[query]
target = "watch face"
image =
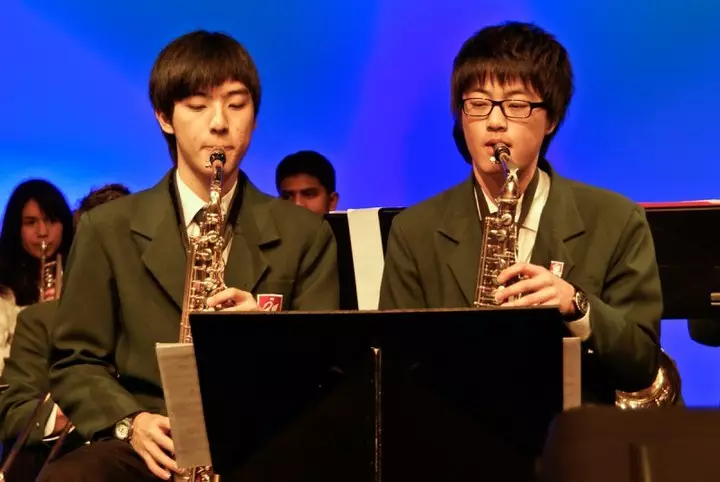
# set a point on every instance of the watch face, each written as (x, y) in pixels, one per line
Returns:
(581, 300)
(122, 430)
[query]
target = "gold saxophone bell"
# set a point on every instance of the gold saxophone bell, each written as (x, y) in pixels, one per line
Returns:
(663, 392)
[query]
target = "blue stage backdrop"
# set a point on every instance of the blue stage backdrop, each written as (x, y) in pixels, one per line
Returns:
(366, 82)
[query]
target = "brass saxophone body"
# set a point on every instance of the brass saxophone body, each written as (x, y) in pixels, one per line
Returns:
(204, 277)
(500, 233)
(51, 272)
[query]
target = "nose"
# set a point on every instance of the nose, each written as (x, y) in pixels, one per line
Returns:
(219, 120)
(298, 200)
(42, 229)
(496, 120)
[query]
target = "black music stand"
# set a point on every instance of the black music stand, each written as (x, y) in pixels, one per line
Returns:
(686, 247)
(452, 395)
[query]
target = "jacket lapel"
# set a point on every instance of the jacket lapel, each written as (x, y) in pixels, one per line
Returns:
(461, 227)
(254, 231)
(560, 223)
(157, 232)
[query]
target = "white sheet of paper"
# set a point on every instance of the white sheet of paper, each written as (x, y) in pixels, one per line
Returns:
(572, 381)
(178, 372)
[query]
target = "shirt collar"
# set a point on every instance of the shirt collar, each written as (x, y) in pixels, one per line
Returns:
(192, 203)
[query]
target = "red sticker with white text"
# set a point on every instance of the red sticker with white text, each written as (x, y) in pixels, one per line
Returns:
(556, 268)
(270, 302)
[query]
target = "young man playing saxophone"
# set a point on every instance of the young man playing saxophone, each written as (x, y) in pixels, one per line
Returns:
(26, 373)
(587, 250)
(125, 277)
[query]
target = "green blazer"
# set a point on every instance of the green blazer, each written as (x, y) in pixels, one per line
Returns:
(123, 292)
(26, 373)
(602, 238)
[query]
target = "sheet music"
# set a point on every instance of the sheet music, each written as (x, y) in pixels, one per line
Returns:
(178, 372)
(367, 254)
(572, 381)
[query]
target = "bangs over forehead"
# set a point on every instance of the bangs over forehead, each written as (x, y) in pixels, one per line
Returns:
(501, 72)
(515, 53)
(196, 64)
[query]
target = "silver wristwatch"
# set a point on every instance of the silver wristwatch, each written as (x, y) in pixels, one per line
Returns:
(123, 429)
(581, 303)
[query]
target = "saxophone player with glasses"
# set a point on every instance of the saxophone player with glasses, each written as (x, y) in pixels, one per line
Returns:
(32, 424)
(125, 286)
(516, 233)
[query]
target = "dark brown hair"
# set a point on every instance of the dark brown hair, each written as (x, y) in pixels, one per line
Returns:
(20, 271)
(96, 197)
(195, 62)
(516, 51)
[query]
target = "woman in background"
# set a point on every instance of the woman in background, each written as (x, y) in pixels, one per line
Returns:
(37, 212)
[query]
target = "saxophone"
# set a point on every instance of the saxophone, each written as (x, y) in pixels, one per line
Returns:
(499, 251)
(50, 274)
(663, 392)
(500, 233)
(204, 277)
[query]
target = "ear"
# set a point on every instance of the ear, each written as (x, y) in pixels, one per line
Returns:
(550, 128)
(165, 123)
(334, 198)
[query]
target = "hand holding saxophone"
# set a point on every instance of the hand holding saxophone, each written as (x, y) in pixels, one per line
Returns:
(151, 440)
(233, 299)
(538, 287)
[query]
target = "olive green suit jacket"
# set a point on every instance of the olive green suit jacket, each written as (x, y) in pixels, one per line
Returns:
(603, 241)
(26, 373)
(124, 284)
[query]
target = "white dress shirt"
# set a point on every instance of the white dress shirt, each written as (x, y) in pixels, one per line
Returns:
(526, 240)
(191, 204)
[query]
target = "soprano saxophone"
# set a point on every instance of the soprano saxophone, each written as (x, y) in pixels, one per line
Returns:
(499, 248)
(204, 277)
(50, 274)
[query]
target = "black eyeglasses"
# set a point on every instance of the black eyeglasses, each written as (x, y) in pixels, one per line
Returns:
(512, 109)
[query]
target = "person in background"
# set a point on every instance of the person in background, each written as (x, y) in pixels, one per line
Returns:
(36, 212)
(26, 374)
(307, 179)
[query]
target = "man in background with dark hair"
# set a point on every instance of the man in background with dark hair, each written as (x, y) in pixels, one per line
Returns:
(307, 179)
(586, 250)
(96, 197)
(26, 373)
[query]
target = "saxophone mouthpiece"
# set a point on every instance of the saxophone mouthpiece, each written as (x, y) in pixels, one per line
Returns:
(501, 152)
(217, 155)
